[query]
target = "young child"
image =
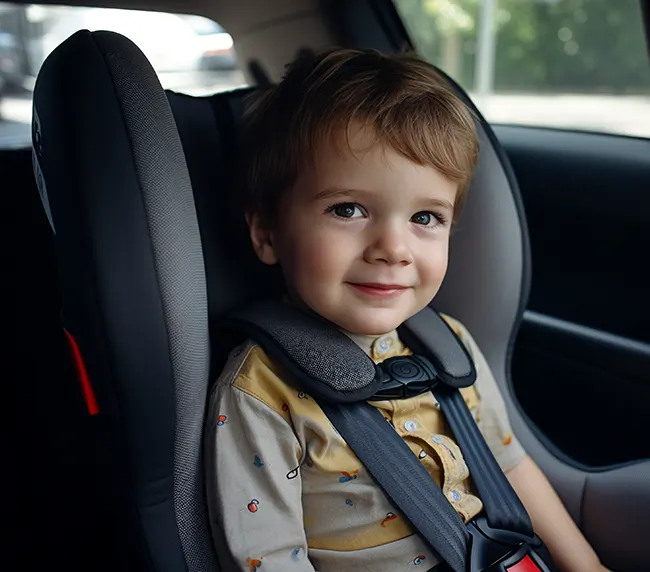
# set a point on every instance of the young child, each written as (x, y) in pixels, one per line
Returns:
(356, 166)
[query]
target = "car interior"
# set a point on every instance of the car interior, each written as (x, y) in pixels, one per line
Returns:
(124, 251)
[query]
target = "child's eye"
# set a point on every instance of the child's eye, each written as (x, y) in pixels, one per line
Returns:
(426, 218)
(346, 210)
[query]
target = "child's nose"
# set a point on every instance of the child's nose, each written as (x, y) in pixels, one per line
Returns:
(389, 247)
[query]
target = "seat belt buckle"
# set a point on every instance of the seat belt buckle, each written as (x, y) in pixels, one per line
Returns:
(404, 377)
(493, 550)
(523, 560)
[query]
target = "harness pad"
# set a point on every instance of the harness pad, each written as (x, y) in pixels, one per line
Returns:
(329, 365)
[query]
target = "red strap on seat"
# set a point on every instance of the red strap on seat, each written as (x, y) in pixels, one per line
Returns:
(86, 387)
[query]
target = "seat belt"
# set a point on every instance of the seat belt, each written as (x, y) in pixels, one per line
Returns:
(403, 478)
(503, 507)
(474, 548)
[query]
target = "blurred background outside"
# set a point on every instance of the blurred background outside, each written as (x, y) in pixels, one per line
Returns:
(572, 64)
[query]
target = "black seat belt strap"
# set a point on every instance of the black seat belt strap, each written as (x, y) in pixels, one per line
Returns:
(503, 508)
(403, 478)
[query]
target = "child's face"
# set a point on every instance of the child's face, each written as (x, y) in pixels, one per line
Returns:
(360, 238)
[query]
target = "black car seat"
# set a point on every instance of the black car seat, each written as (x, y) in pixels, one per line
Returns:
(151, 253)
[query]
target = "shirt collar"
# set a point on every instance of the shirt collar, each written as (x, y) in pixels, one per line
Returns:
(378, 348)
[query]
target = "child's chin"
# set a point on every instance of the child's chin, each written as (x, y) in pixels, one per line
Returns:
(372, 323)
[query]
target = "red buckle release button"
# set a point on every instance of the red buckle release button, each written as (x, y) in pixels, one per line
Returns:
(524, 565)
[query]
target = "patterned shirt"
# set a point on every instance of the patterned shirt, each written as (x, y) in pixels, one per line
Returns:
(286, 493)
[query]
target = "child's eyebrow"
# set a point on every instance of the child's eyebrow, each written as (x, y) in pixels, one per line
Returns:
(335, 192)
(436, 202)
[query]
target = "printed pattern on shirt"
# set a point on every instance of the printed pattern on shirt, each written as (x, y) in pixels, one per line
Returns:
(289, 471)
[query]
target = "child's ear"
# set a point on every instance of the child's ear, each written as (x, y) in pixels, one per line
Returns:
(261, 237)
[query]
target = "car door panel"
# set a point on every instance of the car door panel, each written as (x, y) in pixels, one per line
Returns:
(585, 389)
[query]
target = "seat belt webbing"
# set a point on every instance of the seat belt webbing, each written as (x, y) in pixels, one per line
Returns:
(402, 477)
(408, 484)
(503, 508)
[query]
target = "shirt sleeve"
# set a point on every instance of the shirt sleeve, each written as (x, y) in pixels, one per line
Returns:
(253, 482)
(492, 415)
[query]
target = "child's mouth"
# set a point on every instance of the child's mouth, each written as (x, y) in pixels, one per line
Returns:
(379, 290)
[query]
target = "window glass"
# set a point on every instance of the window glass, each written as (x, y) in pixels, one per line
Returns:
(191, 54)
(575, 64)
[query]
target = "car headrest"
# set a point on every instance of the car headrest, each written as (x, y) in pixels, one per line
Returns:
(112, 173)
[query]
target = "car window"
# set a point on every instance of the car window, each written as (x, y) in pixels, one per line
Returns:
(191, 54)
(574, 64)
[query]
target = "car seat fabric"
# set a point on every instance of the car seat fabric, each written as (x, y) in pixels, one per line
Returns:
(111, 169)
(208, 127)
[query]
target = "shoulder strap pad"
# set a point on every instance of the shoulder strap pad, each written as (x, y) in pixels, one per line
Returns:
(322, 359)
(428, 333)
(329, 365)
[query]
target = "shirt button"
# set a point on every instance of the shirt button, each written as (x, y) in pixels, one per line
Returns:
(383, 345)
(410, 425)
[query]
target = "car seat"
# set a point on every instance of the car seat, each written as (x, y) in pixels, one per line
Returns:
(151, 253)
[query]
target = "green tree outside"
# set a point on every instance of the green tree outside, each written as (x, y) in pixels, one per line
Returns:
(551, 46)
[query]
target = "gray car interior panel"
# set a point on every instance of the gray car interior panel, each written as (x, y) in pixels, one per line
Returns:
(613, 501)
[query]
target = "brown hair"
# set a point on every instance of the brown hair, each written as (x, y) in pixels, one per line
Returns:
(406, 102)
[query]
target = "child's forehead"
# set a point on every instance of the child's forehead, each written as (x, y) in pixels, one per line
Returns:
(353, 142)
(363, 155)
(358, 146)
(366, 169)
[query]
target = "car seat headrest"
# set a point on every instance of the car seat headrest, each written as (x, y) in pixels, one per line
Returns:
(488, 279)
(209, 128)
(112, 169)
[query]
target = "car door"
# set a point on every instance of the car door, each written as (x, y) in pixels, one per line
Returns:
(566, 87)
